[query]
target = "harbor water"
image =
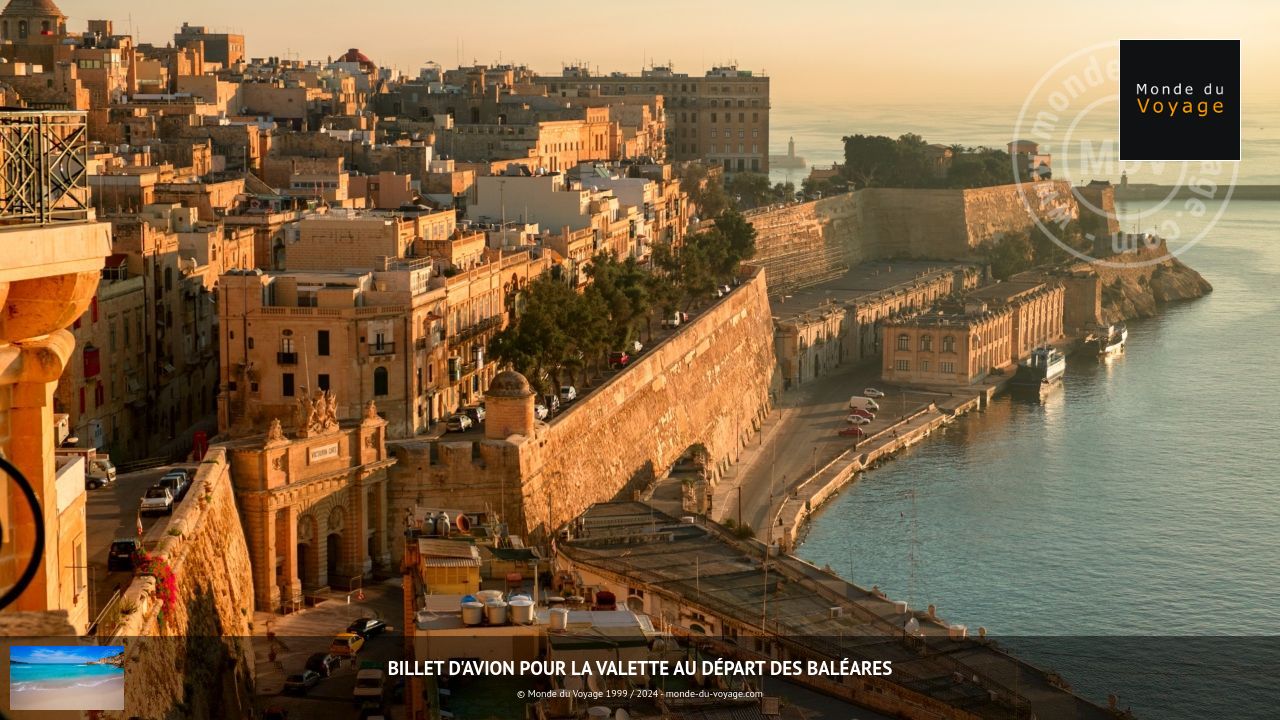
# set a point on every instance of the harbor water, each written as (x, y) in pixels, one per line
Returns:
(1133, 507)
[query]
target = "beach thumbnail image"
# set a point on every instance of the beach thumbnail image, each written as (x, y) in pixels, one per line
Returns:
(66, 677)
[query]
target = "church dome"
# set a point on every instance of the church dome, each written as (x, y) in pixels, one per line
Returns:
(29, 8)
(509, 383)
(355, 56)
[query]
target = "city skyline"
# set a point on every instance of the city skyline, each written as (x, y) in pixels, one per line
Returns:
(804, 58)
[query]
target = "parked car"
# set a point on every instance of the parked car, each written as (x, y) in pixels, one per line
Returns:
(475, 412)
(865, 403)
(726, 289)
(346, 644)
(568, 394)
(552, 401)
(300, 683)
(541, 412)
(157, 501)
(458, 423)
(323, 663)
(177, 483)
(853, 431)
(619, 359)
(367, 627)
(872, 393)
(672, 320)
(684, 317)
(863, 413)
(637, 347)
(123, 554)
(854, 419)
(368, 685)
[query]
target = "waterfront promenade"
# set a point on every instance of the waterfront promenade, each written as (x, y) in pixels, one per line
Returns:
(798, 460)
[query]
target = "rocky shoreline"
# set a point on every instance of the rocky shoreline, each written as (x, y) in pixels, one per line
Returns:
(1139, 293)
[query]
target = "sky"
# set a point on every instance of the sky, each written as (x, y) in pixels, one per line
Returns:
(62, 654)
(815, 51)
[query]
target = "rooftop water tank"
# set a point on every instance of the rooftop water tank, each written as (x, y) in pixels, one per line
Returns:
(442, 524)
(473, 613)
(559, 619)
(957, 632)
(521, 611)
(487, 596)
(900, 606)
(496, 612)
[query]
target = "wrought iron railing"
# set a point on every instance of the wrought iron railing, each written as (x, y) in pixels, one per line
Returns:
(43, 167)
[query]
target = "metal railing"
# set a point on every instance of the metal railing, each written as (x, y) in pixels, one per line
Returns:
(43, 167)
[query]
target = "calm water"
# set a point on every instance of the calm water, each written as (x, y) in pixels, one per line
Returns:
(62, 676)
(1138, 500)
(817, 131)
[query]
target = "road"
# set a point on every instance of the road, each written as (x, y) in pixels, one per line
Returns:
(299, 635)
(800, 437)
(112, 512)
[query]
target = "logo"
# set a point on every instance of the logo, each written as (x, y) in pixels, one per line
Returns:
(1069, 127)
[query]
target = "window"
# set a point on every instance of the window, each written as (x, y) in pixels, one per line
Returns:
(81, 400)
(947, 367)
(904, 342)
(948, 344)
(99, 395)
(322, 381)
(903, 365)
(380, 381)
(926, 343)
(287, 385)
(924, 366)
(322, 342)
(93, 308)
(286, 344)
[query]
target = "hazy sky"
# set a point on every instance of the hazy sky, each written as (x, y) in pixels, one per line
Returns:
(833, 51)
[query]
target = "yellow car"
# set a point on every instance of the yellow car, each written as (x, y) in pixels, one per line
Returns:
(346, 644)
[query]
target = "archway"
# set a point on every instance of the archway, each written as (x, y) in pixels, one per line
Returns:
(333, 549)
(305, 577)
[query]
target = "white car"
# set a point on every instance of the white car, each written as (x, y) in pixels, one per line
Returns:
(458, 423)
(872, 393)
(540, 411)
(568, 393)
(857, 420)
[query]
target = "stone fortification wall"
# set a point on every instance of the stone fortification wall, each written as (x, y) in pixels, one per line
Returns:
(707, 384)
(808, 243)
(196, 659)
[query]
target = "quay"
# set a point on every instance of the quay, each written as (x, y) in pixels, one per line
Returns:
(739, 599)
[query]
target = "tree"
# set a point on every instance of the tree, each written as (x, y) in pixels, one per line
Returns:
(707, 195)
(867, 157)
(750, 190)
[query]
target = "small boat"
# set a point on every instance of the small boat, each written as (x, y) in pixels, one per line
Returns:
(1042, 368)
(1111, 341)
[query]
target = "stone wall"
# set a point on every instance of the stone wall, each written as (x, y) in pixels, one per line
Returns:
(197, 660)
(707, 384)
(808, 243)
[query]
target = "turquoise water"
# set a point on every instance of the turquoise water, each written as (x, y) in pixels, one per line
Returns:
(1137, 500)
(62, 675)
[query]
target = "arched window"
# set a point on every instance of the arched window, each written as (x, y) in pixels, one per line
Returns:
(926, 343)
(904, 342)
(4, 30)
(380, 381)
(948, 344)
(22, 29)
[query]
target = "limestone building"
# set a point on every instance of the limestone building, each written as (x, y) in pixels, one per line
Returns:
(51, 254)
(313, 501)
(721, 117)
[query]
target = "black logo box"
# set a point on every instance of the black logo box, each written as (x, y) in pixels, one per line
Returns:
(1185, 65)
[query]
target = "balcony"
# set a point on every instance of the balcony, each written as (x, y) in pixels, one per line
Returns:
(386, 348)
(43, 168)
(287, 358)
(484, 325)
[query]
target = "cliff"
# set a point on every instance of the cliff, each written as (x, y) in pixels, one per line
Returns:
(1134, 286)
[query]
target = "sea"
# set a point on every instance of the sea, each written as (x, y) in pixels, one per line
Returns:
(1124, 531)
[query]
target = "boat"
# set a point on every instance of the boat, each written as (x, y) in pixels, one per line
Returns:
(1044, 367)
(1111, 341)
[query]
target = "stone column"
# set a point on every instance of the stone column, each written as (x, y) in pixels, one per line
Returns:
(261, 536)
(287, 546)
(355, 555)
(380, 527)
(38, 365)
